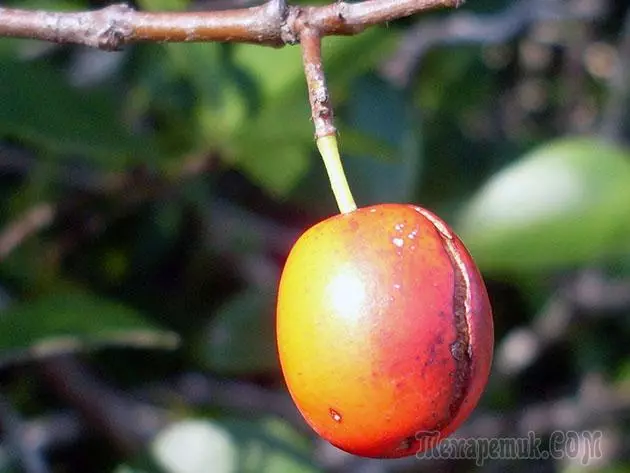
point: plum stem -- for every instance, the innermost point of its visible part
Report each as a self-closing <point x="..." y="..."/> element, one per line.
<point x="323" y="117"/>
<point x="329" y="150"/>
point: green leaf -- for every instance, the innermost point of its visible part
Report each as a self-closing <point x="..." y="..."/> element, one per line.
<point x="158" y="5"/>
<point x="363" y="143"/>
<point x="59" y="5"/>
<point x="566" y="203"/>
<point x="278" y="172"/>
<point x="241" y="335"/>
<point x="381" y="151"/>
<point x="221" y="105"/>
<point x="382" y="112"/>
<point x="39" y="107"/>
<point x="270" y="445"/>
<point x="67" y="322"/>
<point x="275" y="143"/>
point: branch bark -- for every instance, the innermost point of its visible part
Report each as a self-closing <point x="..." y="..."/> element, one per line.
<point x="127" y="423"/>
<point x="273" y="24"/>
<point x="319" y="97"/>
<point x="36" y="219"/>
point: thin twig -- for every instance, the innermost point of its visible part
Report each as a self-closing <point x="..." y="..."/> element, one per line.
<point x="274" y="23"/>
<point x="222" y="221"/>
<point x="612" y="126"/>
<point x="126" y="422"/>
<point x="595" y="406"/>
<point x="588" y="294"/>
<point x="319" y="97"/>
<point x="198" y="389"/>
<point x="36" y="219"/>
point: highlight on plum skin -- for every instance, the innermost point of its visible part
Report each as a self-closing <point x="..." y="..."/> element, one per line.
<point x="384" y="330"/>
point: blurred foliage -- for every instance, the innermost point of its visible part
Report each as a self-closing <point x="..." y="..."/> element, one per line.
<point x="189" y="446"/>
<point x="64" y="322"/>
<point x="240" y="337"/>
<point x="180" y="174"/>
<point x="564" y="204"/>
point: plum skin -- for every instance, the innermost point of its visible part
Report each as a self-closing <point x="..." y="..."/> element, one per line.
<point x="384" y="330"/>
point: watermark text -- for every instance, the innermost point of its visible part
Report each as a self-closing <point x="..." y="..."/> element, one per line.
<point x="582" y="446"/>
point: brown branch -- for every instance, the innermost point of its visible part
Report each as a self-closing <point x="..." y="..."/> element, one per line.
<point x="588" y="294"/>
<point x="119" y="24"/>
<point x="124" y="421"/>
<point x="319" y="97"/>
<point x="341" y="18"/>
<point x="36" y="219"/>
<point x="273" y="24"/>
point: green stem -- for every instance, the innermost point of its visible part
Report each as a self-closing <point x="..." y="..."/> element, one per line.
<point x="329" y="150"/>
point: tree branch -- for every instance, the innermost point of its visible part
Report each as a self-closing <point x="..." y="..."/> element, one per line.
<point x="468" y="28"/>
<point x="613" y="124"/>
<point x="36" y="219"/>
<point x="273" y="24"/>
<point x="124" y="421"/>
<point x="319" y="97"/>
<point x="114" y="26"/>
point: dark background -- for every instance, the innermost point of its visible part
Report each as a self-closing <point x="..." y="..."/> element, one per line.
<point x="150" y="197"/>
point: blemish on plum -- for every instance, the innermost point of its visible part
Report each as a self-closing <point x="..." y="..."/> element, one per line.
<point x="399" y="384"/>
<point x="336" y="416"/>
<point x="406" y="443"/>
<point x="457" y="350"/>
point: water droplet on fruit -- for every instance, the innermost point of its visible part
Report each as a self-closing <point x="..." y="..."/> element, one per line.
<point x="396" y="286"/>
<point x="399" y="242"/>
<point x="336" y="416"/>
<point x="399" y="227"/>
